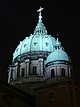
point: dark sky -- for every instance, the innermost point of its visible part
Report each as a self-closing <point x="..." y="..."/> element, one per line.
<point x="18" y="19"/>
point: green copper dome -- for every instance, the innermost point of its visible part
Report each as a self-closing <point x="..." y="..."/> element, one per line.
<point x="58" y="55"/>
<point x="36" y="42"/>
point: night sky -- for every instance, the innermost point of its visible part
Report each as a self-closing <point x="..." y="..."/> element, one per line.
<point x="18" y="19"/>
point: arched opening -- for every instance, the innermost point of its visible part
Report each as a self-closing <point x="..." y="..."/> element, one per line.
<point x="71" y="73"/>
<point x="23" y="72"/>
<point x="63" y="72"/>
<point x="52" y="73"/>
<point x="68" y="71"/>
<point x="34" y="70"/>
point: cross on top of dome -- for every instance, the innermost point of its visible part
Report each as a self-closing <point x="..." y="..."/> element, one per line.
<point x="39" y="10"/>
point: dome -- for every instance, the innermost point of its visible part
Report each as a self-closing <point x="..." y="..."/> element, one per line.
<point x="57" y="55"/>
<point x="35" y="43"/>
<point x="39" y="41"/>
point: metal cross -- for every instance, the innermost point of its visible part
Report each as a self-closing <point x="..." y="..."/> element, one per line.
<point x="40" y="12"/>
<point x="40" y="9"/>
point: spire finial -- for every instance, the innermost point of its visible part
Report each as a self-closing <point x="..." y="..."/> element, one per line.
<point x="39" y="10"/>
<point x="57" y="36"/>
<point x="58" y="44"/>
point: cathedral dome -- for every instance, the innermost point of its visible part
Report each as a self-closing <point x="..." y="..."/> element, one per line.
<point x="39" y="41"/>
<point x="35" y="43"/>
<point x="58" y="55"/>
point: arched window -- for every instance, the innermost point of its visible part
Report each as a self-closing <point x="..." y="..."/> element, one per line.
<point x="68" y="71"/>
<point x="63" y="72"/>
<point x="34" y="70"/>
<point x="23" y="72"/>
<point x="52" y="73"/>
<point x="40" y="31"/>
<point x="71" y="73"/>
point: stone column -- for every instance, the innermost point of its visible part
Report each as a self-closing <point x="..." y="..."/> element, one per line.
<point x="58" y="69"/>
<point x="9" y="73"/>
<point x="70" y="72"/>
<point x="41" y="66"/>
<point x="14" y="76"/>
<point x="27" y="67"/>
<point x="55" y="71"/>
<point x="25" y="73"/>
<point x="16" y="67"/>
<point x="66" y="73"/>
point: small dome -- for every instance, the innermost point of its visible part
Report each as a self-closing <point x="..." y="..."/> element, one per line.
<point x="57" y="55"/>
